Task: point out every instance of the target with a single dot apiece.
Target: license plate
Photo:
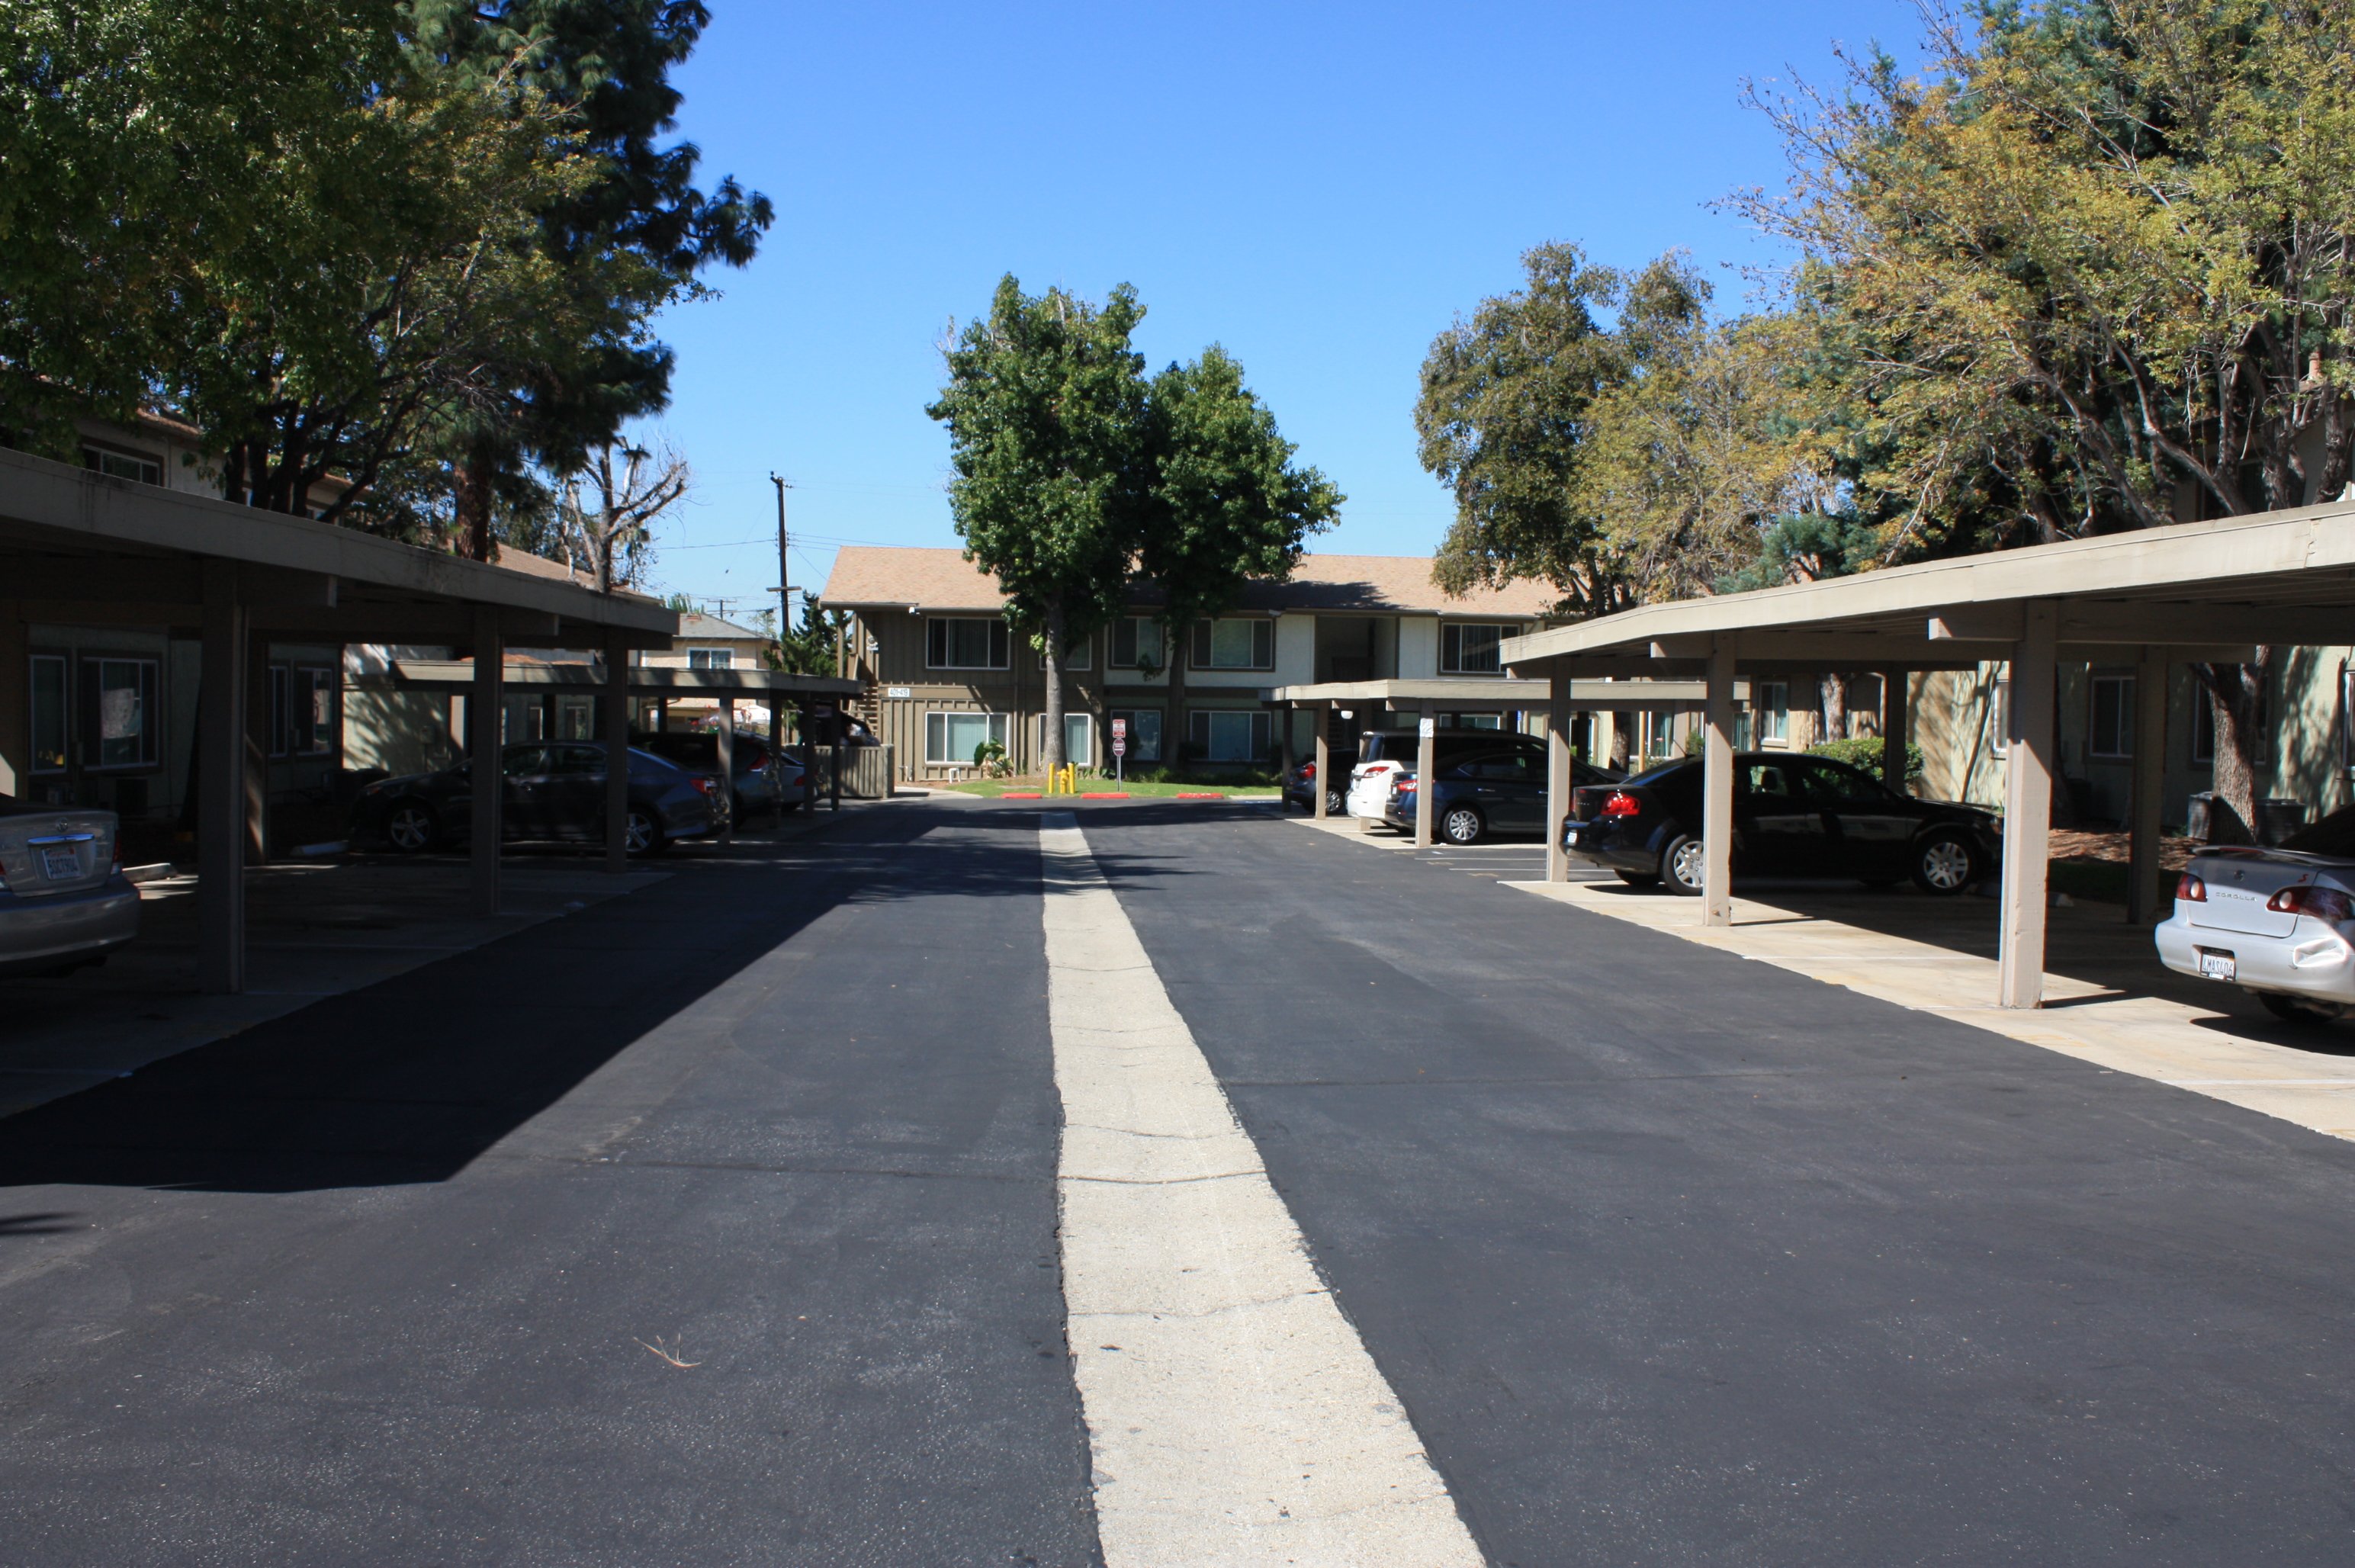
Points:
(2217, 965)
(60, 865)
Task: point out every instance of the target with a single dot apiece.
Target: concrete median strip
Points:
(1234, 1414)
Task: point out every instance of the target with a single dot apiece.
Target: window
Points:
(281, 720)
(1079, 653)
(575, 718)
(314, 701)
(120, 712)
(1078, 739)
(1770, 701)
(710, 659)
(122, 465)
(1144, 733)
(1241, 736)
(1509, 767)
(1238, 641)
(528, 761)
(1999, 718)
(2111, 732)
(959, 643)
(1471, 721)
(951, 738)
(1471, 650)
(2203, 724)
(49, 714)
(1828, 784)
(1771, 779)
(1138, 643)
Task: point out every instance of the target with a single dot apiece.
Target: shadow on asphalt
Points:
(411, 1079)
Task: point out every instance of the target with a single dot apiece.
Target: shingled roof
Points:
(879, 576)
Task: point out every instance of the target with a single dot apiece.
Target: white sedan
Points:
(2278, 924)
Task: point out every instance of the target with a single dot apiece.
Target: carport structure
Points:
(2191, 592)
(816, 696)
(79, 548)
(1560, 696)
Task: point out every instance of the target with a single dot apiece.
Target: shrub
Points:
(1864, 752)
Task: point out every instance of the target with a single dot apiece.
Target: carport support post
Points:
(1717, 789)
(1426, 780)
(1323, 714)
(2143, 878)
(2028, 809)
(221, 788)
(615, 697)
(488, 786)
(776, 755)
(728, 762)
(1558, 775)
(1894, 724)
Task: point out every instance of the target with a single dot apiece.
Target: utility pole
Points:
(784, 571)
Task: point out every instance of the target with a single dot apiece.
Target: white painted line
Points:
(1234, 1414)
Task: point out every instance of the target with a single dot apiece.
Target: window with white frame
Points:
(1078, 739)
(710, 659)
(1235, 642)
(2111, 733)
(315, 697)
(1228, 736)
(49, 710)
(1137, 643)
(1770, 703)
(966, 642)
(1143, 732)
(1999, 718)
(128, 465)
(1467, 648)
(121, 713)
(952, 739)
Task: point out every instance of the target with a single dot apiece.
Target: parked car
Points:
(1794, 815)
(554, 789)
(2275, 923)
(1300, 784)
(1383, 753)
(1500, 791)
(64, 903)
(760, 787)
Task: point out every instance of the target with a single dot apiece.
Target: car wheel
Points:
(1335, 805)
(1640, 878)
(1683, 865)
(411, 827)
(2298, 1009)
(642, 834)
(1944, 864)
(1461, 825)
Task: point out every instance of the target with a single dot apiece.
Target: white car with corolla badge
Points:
(2278, 924)
(64, 903)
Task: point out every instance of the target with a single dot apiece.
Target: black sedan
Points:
(1486, 793)
(1793, 816)
(554, 790)
(1300, 784)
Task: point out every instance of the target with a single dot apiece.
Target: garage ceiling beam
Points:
(45, 583)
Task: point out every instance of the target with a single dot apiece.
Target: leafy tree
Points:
(1046, 410)
(1224, 503)
(2100, 267)
(808, 649)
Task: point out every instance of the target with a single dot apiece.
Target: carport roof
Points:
(1478, 691)
(645, 681)
(2200, 590)
(84, 549)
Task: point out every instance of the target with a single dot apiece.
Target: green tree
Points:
(1046, 407)
(2099, 267)
(808, 649)
(1225, 504)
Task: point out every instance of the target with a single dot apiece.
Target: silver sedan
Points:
(63, 900)
(2278, 924)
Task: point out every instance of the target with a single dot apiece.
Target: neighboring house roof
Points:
(530, 565)
(695, 626)
(871, 576)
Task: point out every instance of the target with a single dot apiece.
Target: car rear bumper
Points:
(55, 929)
(2312, 961)
(1598, 844)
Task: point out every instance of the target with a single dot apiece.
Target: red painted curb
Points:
(1105, 794)
(1196, 796)
(1022, 794)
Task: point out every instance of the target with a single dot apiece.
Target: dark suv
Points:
(1794, 815)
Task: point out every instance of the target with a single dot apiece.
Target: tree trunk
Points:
(474, 506)
(2236, 697)
(1174, 735)
(1835, 698)
(1051, 752)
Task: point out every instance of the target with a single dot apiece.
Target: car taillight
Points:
(707, 786)
(1307, 769)
(116, 864)
(1621, 804)
(2322, 903)
(2190, 890)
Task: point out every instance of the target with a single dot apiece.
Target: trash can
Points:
(2195, 825)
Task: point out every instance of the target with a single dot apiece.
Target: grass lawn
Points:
(992, 788)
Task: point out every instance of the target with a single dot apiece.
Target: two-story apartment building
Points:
(944, 673)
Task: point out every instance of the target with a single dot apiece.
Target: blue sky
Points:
(1321, 189)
